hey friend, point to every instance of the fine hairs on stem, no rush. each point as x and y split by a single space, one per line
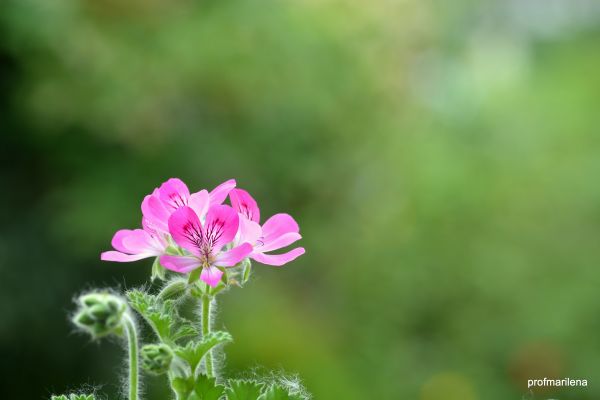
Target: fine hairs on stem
208 306
132 341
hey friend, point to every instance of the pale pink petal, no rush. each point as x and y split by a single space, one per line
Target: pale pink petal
219 194
186 230
182 264
278 259
211 275
117 240
279 242
174 193
279 224
249 231
221 225
199 202
155 212
159 237
233 256
121 257
243 203
140 241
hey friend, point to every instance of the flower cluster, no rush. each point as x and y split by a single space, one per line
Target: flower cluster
187 232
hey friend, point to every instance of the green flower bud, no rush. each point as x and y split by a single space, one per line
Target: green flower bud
100 314
156 358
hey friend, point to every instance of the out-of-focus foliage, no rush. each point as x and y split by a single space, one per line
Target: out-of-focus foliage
441 158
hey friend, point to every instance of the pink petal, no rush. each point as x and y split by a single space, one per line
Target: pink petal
155 212
140 241
278 225
174 193
279 242
243 203
199 202
182 264
221 226
233 256
211 275
158 236
278 259
219 194
117 240
186 229
121 257
249 231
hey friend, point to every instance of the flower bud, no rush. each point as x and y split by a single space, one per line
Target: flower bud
156 358
100 314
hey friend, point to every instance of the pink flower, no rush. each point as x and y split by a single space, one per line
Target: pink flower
133 245
279 231
173 194
205 242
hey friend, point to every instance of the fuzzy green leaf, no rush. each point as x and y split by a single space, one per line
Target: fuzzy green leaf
243 390
153 311
186 329
74 397
277 392
161 315
207 389
183 385
194 351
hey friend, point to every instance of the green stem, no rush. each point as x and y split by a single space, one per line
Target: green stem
131 333
208 359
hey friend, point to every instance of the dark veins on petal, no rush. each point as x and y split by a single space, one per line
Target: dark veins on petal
193 234
176 201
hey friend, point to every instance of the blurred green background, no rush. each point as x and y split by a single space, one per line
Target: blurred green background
442 159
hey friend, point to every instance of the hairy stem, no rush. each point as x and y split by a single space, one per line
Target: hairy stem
208 359
132 340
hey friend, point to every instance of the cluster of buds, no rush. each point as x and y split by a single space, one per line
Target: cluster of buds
100 314
156 358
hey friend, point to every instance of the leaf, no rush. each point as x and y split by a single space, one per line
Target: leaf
161 315
243 390
73 396
183 385
207 389
277 392
186 329
153 311
194 350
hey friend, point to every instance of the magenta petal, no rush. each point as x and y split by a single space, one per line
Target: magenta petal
220 227
211 275
121 257
199 202
233 256
278 259
219 194
278 225
279 242
186 229
155 212
182 264
243 203
174 193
